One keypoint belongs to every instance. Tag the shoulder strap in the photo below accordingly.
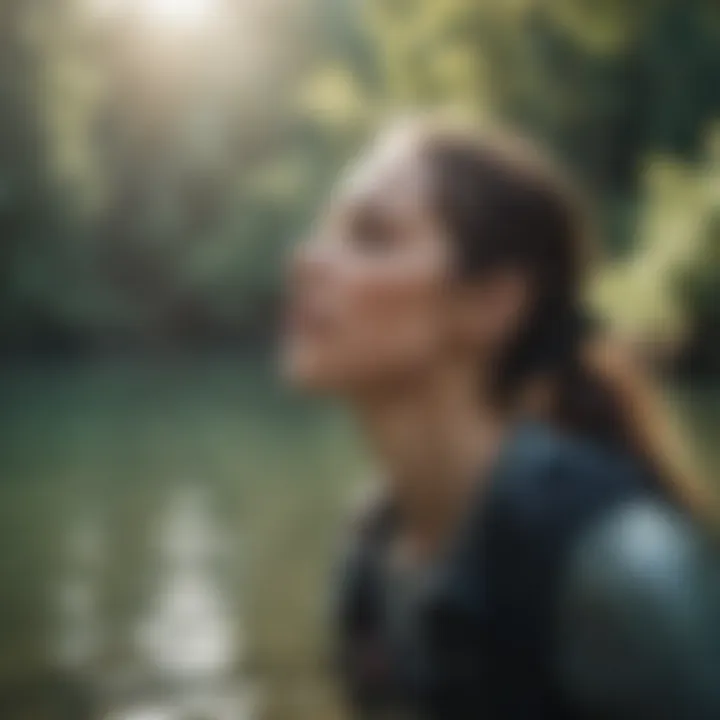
(357, 610)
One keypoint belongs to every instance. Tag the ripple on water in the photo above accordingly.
(187, 640)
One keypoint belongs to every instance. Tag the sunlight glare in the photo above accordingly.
(180, 14)
(170, 15)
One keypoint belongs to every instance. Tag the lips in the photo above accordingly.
(304, 317)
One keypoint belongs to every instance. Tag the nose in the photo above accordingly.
(310, 261)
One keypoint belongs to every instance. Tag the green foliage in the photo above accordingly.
(640, 291)
(697, 283)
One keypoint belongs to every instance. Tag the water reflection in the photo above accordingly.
(186, 642)
(80, 633)
(131, 579)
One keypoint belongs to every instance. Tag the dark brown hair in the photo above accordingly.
(508, 207)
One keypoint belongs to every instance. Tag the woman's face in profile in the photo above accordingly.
(368, 300)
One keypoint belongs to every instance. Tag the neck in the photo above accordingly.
(434, 439)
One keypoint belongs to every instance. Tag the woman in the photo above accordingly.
(531, 554)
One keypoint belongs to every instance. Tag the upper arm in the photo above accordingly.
(639, 635)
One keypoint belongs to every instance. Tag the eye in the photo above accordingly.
(371, 230)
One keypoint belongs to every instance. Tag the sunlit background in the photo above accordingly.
(167, 511)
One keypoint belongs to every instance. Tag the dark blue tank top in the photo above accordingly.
(484, 621)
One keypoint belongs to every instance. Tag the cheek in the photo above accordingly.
(392, 317)
(375, 321)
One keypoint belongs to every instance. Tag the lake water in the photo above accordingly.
(166, 528)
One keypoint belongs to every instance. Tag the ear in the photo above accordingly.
(491, 310)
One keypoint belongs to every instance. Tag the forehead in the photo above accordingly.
(392, 174)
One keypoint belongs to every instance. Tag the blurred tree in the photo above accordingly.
(152, 173)
(698, 282)
(32, 220)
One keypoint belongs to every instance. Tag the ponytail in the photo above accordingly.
(506, 206)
